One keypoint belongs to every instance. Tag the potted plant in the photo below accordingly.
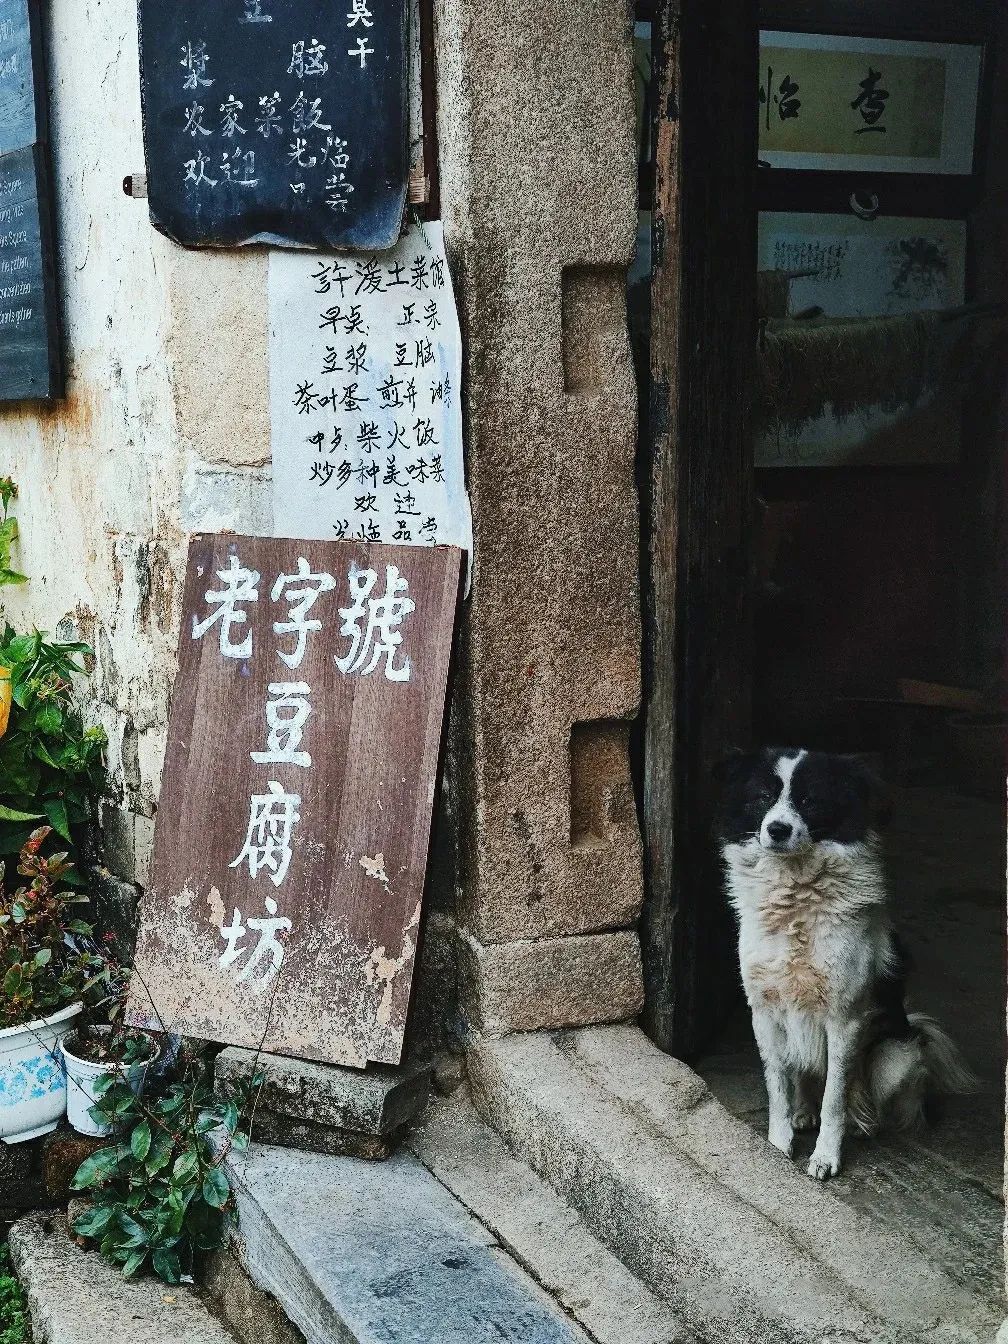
(102, 1048)
(46, 966)
(160, 1196)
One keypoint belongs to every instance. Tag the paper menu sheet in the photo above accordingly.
(365, 371)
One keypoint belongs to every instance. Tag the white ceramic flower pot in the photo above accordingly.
(82, 1077)
(33, 1094)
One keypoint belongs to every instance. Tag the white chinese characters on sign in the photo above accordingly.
(384, 615)
(372, 625)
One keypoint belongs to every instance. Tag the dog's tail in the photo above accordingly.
(947, 1070)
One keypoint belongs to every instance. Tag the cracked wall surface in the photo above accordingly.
(165, 426)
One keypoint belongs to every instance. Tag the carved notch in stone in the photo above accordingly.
(602, 800)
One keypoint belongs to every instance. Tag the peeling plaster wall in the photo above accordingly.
(165, 427)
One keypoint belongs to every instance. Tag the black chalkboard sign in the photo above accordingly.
(276, 121)
(22, 85)
(30, 365)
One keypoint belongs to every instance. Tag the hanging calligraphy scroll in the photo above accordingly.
(30, 362)
(867, 104)
(291, 839)
(276, 121)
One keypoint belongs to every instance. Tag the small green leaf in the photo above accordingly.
(185, 1164)
(97, 1168)
(93, 1222)
(134, 1262)
(140, 1141)
(215, 1188)
(14, 814)
(55, 810)
(167, 1266)
(43, 956)
(160, 1153)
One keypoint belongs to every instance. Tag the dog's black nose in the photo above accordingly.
(779, 831)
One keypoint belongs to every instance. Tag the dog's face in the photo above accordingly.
(786, 801)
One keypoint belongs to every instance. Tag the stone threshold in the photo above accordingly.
(731, 1234)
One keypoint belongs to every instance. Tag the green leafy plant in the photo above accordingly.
(51, 765)
(160, 1195)
(47, 959)
(13, 1307)
(8, 534)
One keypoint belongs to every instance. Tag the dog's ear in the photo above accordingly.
(866, 775)
(733, 767)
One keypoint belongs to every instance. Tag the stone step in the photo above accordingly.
(357, 1252)
(326, 1108)
(539, 1230)
(76, 1298)
(734, 1235)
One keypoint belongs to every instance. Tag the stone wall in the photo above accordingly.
(538, 185)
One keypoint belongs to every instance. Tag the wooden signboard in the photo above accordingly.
(276, 121)
(22, 81)
(30, 364)
(291, 841)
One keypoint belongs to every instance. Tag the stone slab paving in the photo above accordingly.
(548, 1237)
(358, 1252)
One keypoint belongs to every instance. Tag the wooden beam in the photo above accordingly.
(703, 331)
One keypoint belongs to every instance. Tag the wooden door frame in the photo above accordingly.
(698, 507)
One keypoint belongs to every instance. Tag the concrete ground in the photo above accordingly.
(942, 1188)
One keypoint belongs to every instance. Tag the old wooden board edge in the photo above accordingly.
(143, 1008)
(703, 329)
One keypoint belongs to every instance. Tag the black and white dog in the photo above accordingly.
(821, 963)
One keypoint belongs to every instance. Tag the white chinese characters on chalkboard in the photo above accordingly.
(365, 366)
(276, 122)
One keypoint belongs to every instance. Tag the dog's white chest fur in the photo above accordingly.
(806, 922)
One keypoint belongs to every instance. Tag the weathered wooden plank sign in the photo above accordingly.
(277, 121)
(22, 83)
(291, 840)
(30, 363)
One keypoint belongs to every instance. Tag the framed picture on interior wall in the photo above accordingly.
(869, 377)
(867, 104)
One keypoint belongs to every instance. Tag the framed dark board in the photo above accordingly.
(276, 121)
(23, 119)
(291, 840)
(30, 362)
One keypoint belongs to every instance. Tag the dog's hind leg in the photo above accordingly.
(807, 1100)
(897, 1082)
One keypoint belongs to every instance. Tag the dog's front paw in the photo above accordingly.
(782, 1137)
(823, 1165)
(805, 1120)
